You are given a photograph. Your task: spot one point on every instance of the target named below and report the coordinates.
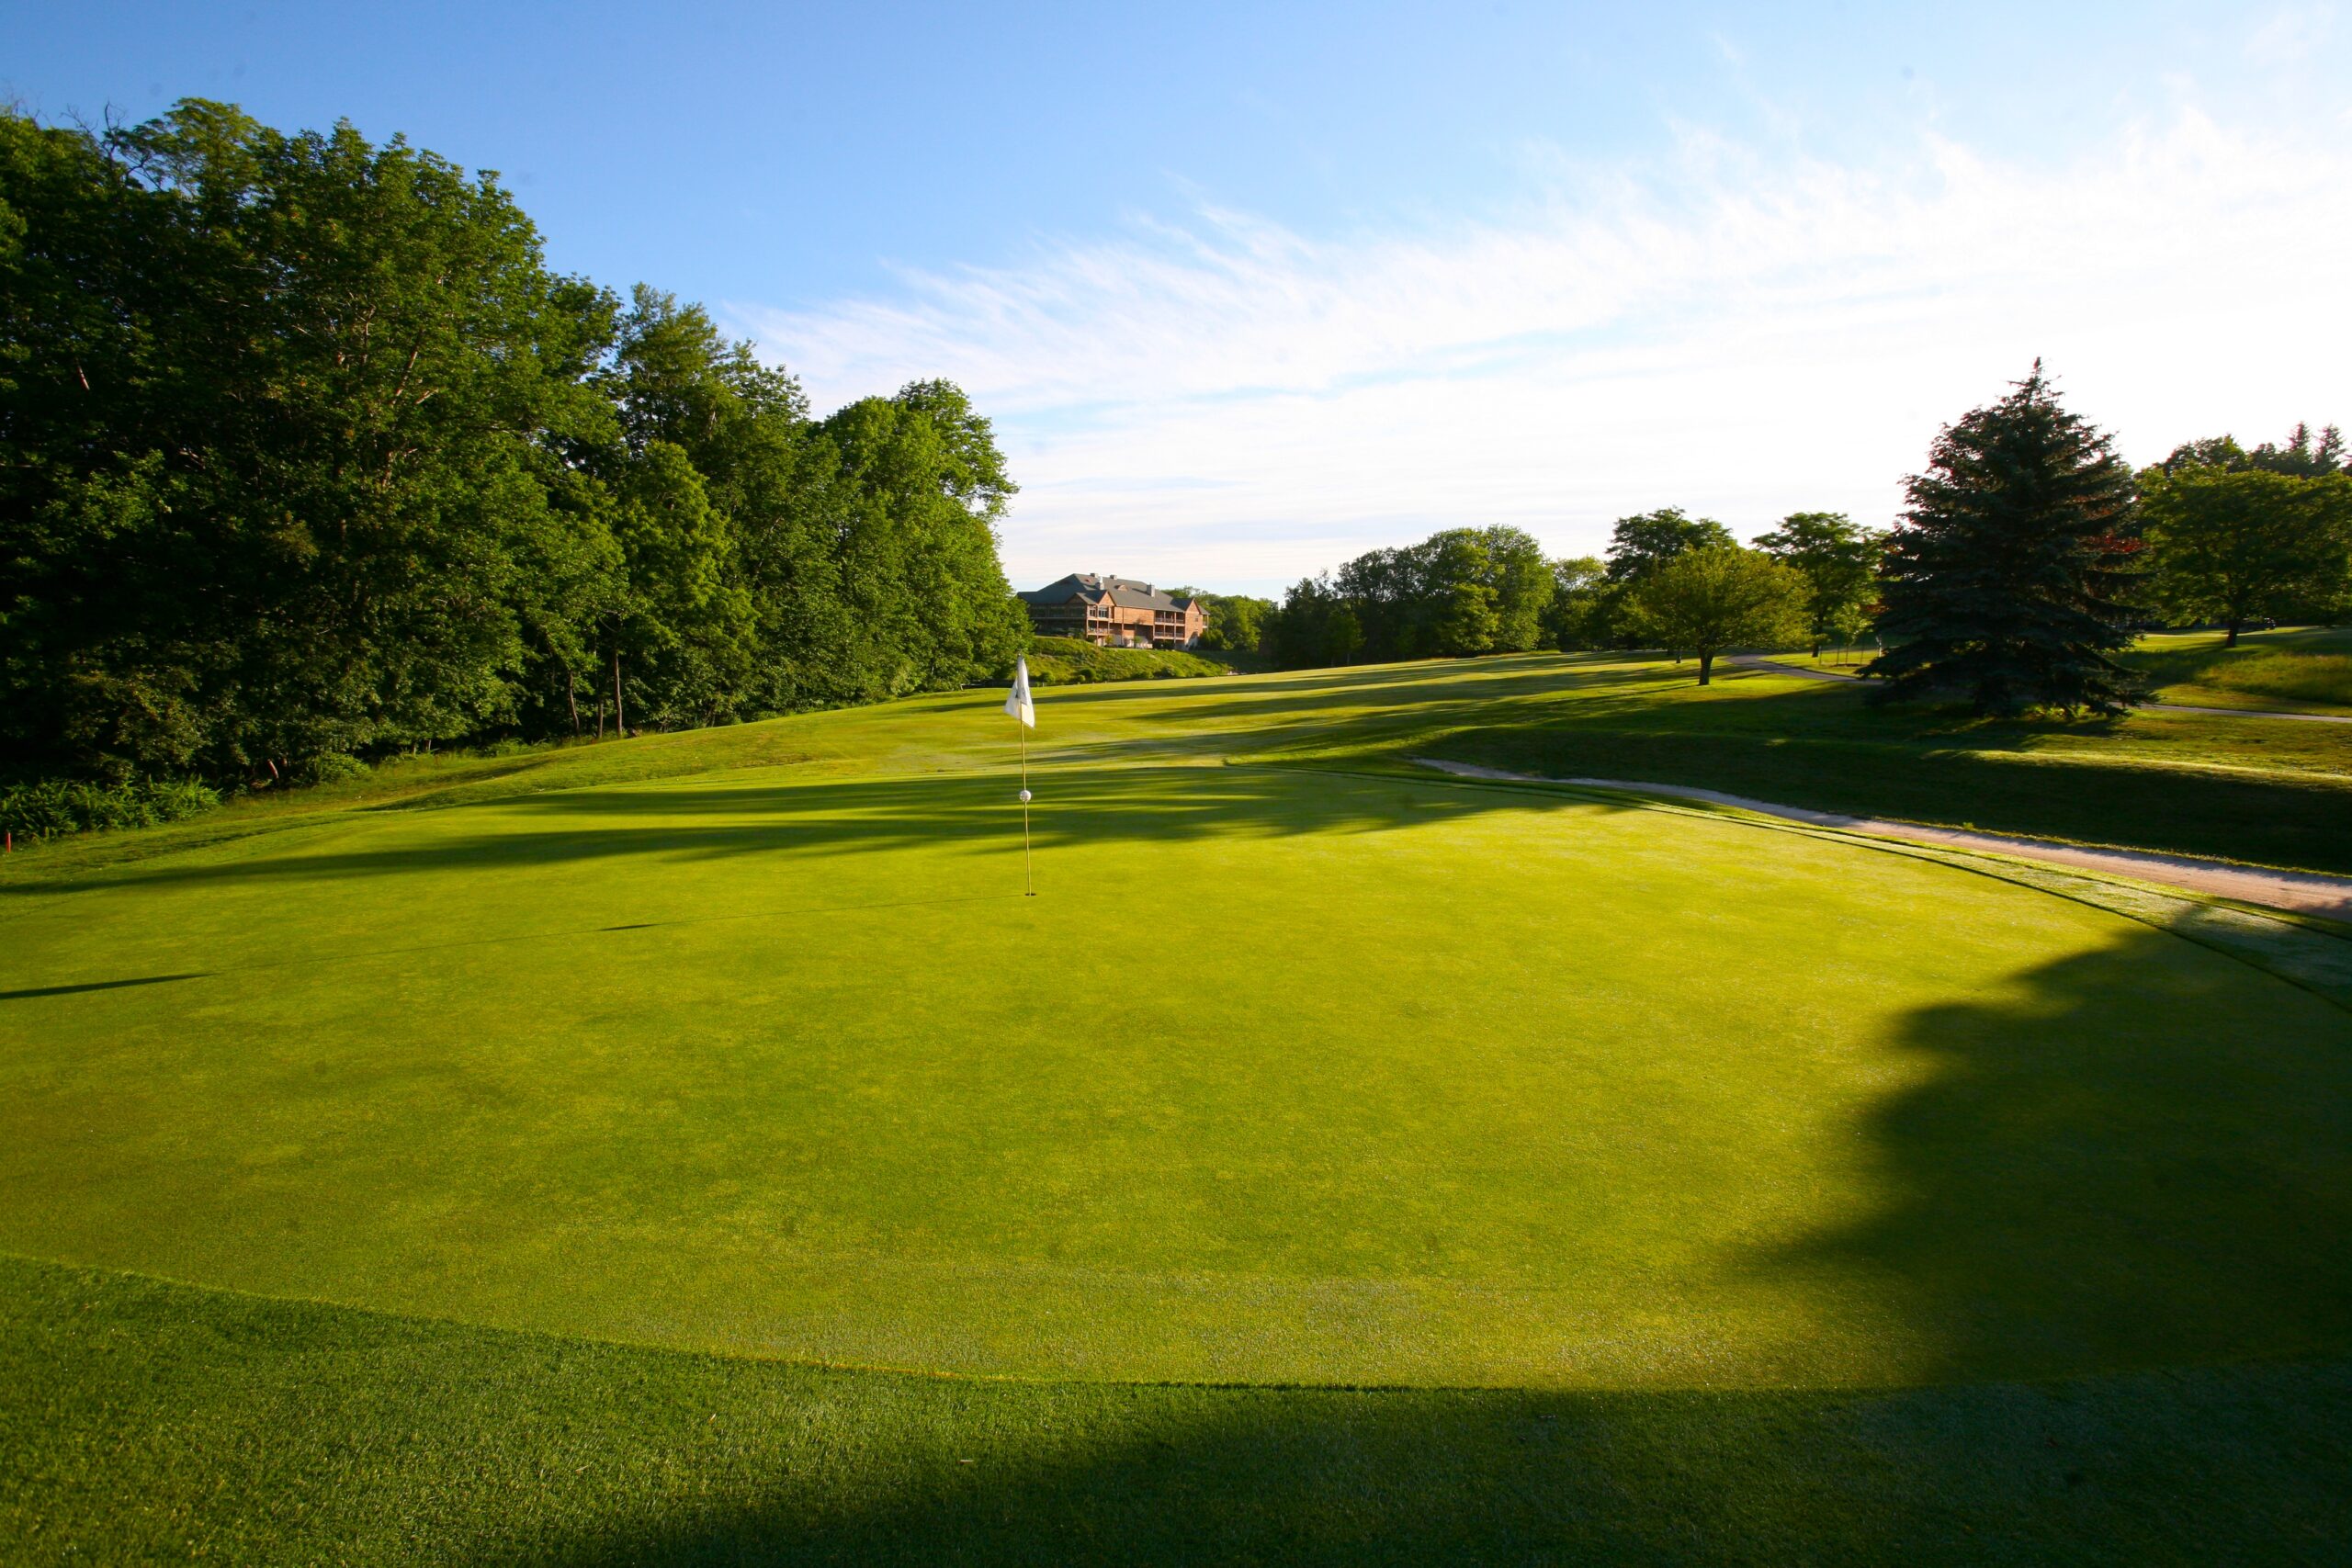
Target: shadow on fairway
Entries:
(1077, 807)
(2080, 1186)
(2185, 1469)
(29, 992)
(2084, 1183)
(177, 1422)
(1763, 749)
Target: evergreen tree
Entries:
(2007, 579)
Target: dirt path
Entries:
(2305, 892)
(1774, 667)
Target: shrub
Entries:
(46, 808)
(1073, 661)
(331, 766)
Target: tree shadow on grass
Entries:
(174, 1418)
(2128, 1171)
(2114, 1179)
(2135, 1157)
(1077, 807)
(2089, 1474)
(2264, 818)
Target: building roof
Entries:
(1088, 588)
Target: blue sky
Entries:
(1248, 289)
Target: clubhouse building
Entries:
(1114, 612)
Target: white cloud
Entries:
(2292, 35)
(1230, 402)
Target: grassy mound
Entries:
(2307, 669)
(1074, 661)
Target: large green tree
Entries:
(2010, 577)
(1837, 559)
(916, 490)
(2235, 545)
(1642, 543)
(1717, 597)
(304, 452)
(1638, 546)
(280, 428)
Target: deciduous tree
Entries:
(2236, 545)
(1720, 596)
(1838, 562)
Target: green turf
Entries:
(2263, 790)
(1304, 1068)
(155, 1423)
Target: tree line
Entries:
(2028, 554)
(306, 455)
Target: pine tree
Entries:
(2007, 579)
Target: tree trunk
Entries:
(1706, 667)
(571, 696)
(2233, 632)
(620, 715)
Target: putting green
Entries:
(1283, 1075)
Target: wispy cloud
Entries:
(1221, 400)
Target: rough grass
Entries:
(2306, 668)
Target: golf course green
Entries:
(732, 1070)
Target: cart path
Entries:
(2305, 892)
(1757, 662)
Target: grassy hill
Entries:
(2303, 669)
(1073, 661)
(695, 1149)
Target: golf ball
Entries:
(1025, 797)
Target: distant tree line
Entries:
(306, 455)
(2028, 556)
(1459, 592)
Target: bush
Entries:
(1073, 661)
(51, 806)
(332, 766)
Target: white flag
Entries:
(1018, 704)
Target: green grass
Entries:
(1069, 660)
(1694, 1158)
(2297, 669)
(156, 1423)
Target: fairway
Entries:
(1289, 1075)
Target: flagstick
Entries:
(1028, 876)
